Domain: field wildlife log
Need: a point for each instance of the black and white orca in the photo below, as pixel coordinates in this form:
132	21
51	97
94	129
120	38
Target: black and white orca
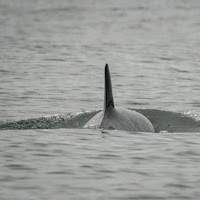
118	118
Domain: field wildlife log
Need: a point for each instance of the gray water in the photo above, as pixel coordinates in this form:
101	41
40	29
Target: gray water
52	60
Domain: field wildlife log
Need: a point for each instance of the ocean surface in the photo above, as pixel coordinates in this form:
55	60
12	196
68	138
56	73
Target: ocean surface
52	58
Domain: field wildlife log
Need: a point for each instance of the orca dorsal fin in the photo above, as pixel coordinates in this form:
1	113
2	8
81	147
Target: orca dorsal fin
108	98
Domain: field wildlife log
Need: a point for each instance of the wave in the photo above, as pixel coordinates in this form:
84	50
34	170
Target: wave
163	121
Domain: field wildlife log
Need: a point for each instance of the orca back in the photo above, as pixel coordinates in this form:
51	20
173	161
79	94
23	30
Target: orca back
118	118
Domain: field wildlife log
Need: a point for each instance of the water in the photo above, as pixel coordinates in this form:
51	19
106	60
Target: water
51	80
89	164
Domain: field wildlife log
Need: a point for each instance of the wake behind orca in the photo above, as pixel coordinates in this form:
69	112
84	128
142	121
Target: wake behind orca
118	118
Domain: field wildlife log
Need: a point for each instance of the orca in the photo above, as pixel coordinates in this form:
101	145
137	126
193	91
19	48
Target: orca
118	118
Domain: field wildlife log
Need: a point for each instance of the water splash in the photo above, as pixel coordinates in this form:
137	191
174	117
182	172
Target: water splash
70	120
